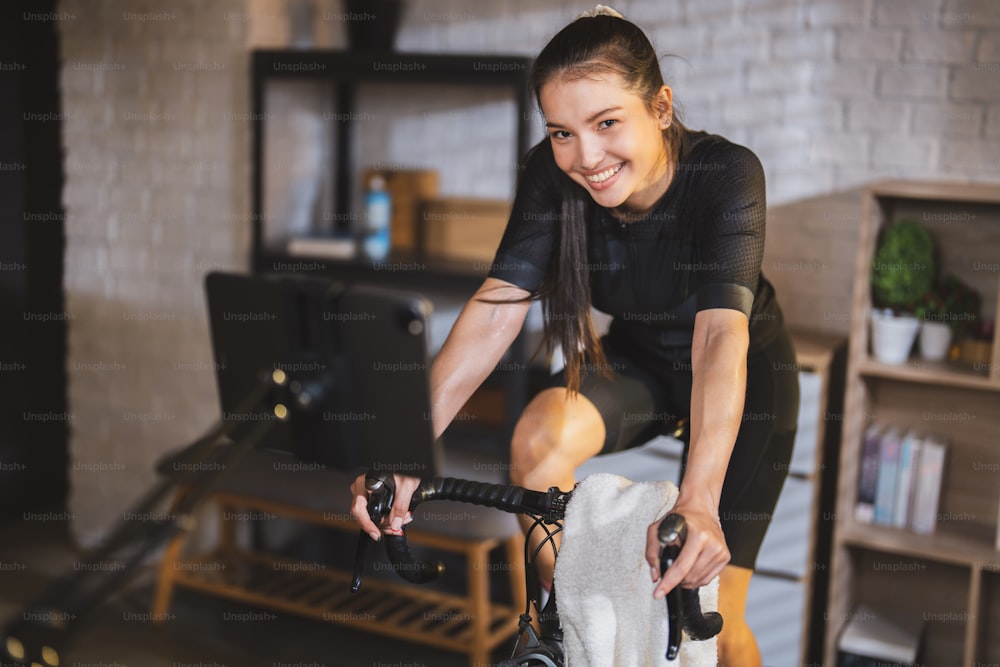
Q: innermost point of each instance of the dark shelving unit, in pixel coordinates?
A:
(345, 72)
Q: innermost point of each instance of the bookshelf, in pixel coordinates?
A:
(951, 578)
(323, 119)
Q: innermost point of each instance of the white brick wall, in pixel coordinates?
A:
(912, 80)
(154, 172)
(907, 14)
(838, 13)
(856, 67)
(993, 122)
(868, 45)
(830, 93)
(989, 47)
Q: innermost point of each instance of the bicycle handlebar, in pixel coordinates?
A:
(550, 506)
(683, 605)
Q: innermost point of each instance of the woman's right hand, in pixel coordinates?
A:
(399, 515)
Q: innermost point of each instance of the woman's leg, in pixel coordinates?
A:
(756, 475)
(555, 434)
(737, 646)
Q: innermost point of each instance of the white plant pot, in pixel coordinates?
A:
(935, 338)
(893, 337)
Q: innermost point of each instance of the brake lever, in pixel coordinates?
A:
(381, 493)
(672, 534)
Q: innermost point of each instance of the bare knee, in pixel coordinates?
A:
(555, 434)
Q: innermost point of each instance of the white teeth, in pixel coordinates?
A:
(606, 174)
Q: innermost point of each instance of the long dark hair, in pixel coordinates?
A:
(588, 45)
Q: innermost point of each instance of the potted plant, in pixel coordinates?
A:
(935, 335)
(949, 311)
(902, 271)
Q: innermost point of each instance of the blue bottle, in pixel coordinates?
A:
(378, 213)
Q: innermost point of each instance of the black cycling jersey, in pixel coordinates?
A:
(699, 247)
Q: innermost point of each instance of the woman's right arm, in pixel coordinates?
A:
(484, 330)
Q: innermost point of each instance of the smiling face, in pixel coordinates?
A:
(608, 139)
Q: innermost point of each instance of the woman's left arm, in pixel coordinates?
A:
(719, 377)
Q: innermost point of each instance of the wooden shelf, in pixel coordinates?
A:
(305, 589)
(936, 191)
(938, 373)
(944, 546)
(956, 402)
(468, 620)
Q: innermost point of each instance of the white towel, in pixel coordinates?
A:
(603, 584)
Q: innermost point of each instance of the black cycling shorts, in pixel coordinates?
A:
(636, 401)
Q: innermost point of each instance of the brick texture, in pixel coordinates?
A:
(978, 156)
(978, 81)
(153, 174)
(868, 115)
(907, 13)
(844, 79)
(832, 148)
(993, 122)
(808, 111)
(798, 44)
(983, 13)
(901, 150)
(947, 119)
(869, 45)
(940, 46)
(920, 80)
(837, 13)
(989, 48)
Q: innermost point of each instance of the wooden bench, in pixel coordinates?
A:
(266, 485)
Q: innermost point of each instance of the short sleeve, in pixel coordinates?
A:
(533, 228)
(730, 233)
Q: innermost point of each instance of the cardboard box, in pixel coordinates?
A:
(462, 228)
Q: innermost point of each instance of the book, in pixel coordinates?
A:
(864, 508)
(333, 247)
(909, 460)
(930, 473)
(888, 476)
(871, 638)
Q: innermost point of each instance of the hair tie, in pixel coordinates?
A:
(600, 10)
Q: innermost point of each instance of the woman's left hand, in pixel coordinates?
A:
(701, 559)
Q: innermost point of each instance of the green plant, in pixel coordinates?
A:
(931, 306)
(953, 302)
(903, 267)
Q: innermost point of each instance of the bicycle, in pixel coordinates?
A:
(547, 509)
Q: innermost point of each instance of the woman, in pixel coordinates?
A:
(624, 209)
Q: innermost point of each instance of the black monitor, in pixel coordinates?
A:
(360, 351)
